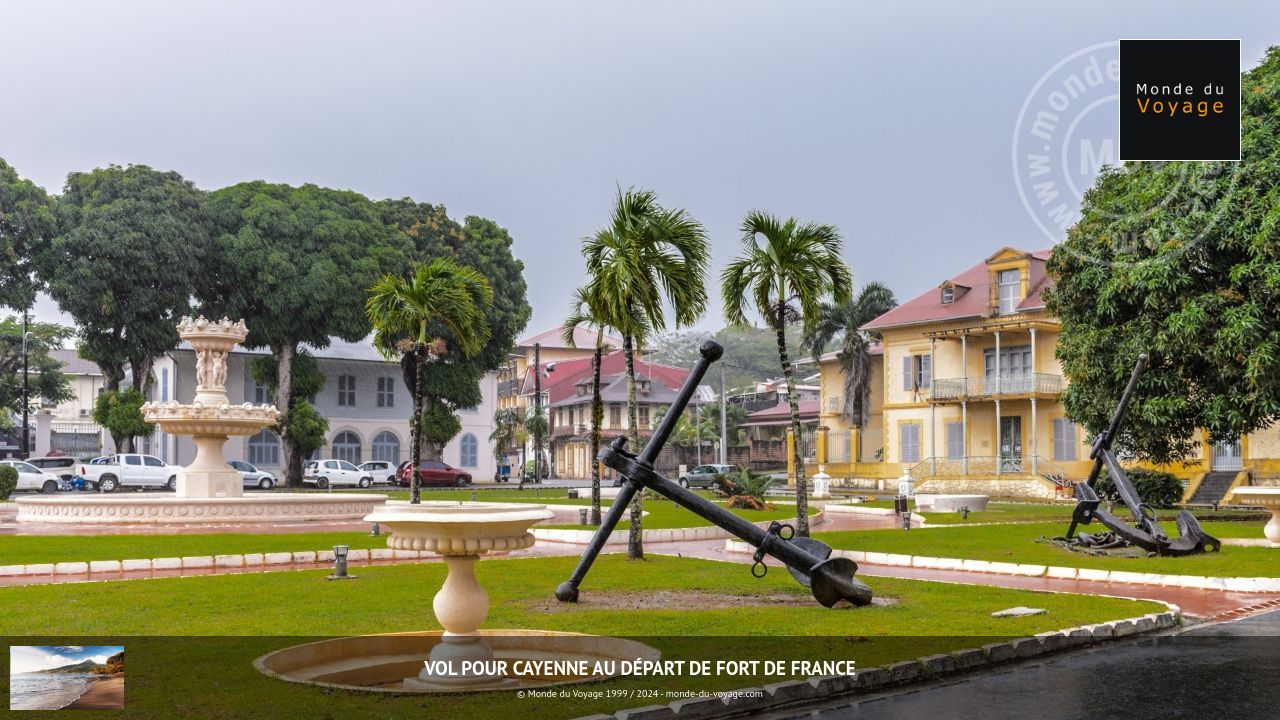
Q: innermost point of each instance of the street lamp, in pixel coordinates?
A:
(340, 563)
(27, 337)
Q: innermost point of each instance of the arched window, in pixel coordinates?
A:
(264, 448)
(386, 446)
(468, 451)
(346, 446)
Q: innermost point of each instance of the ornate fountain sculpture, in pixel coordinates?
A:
(210, 418)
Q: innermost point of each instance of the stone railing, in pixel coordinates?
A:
(978, 387)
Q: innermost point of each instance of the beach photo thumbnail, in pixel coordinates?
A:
(66, 677)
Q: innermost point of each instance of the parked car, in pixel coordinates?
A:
(31, 477)
(703, 476)
(324, 473)
(381, 470)
(435, 472)
(252, 476)
(63, 466)
(131, 470)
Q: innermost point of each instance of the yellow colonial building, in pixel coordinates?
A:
(965, 398)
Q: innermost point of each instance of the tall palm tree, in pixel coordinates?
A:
(786, 269)
(646, 258)
(845, 320)
(586, 311)
(407, 312)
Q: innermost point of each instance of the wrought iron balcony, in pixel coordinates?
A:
(1020, 385)
(986, 466)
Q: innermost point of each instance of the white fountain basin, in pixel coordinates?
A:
(459, 528)
(1267, 497)
(167, 508)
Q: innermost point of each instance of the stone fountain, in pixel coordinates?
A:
(1265, 497)
(464, 657)
(208, 491)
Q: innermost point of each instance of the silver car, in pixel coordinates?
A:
(252, 476)
(704, 475)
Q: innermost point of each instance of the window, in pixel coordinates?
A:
(467, 457)
(386, 392)
(948, 294)
(260, 394)
(344, 465)
(346, 446)
(917, 371)
(1009, 290)
(909, 443)
(615, 416)
(132, 460)
(642, 416)
(264, 448)
(955, 441)
(347, 390)
(1064, 439)
(152, 461)
(386, 446)
(164, 384)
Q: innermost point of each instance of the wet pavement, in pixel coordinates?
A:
(1224, 670)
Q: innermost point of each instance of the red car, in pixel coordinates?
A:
(434, 472)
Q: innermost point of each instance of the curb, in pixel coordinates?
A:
(1232, 584)
(619, 537)
(204, 562)
(756, 700)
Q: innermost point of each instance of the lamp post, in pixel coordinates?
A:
(26, 389)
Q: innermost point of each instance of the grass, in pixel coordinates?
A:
(31, 549)
(1018, 543)
(1011, 512)
(212, 676)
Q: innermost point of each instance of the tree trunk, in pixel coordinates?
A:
(635, 538)
(284, 403)
(797, 432)
(142, 373)
(597, 417)
(415, 427)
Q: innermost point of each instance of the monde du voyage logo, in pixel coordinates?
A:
(1179, 100)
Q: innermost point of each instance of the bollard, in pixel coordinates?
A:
(340, 563)
(583, 515)
(473, 494)
(376, 531)
(964, 512)
(906, 520)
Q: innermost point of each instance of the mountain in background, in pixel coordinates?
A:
(84, 666)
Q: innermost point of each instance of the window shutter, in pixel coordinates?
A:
(906, 372)
(926, 371)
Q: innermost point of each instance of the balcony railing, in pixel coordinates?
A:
(1006, 385)
(986, 466)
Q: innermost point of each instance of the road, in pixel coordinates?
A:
(1210, 672)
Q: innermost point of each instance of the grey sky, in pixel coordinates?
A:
(893, 121)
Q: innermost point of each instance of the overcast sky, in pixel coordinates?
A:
(892, 120)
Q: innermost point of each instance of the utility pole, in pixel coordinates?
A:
(537, 409)
(697, 428)
(26, 390)
(724, 436)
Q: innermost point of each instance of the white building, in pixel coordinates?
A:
(364, 399)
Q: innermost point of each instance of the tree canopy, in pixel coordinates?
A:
(26, 224)
(44, 373)
(1180, 261)
(131, 245)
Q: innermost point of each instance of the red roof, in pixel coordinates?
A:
(972, 297)
(583, 338)
(781, 413)
(559, 383)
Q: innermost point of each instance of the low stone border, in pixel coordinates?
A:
(756, 700)
(1234, 584)
(917, 520)
(619, 537)
(116, 567)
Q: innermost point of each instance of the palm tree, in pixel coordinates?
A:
(407, 313)
(586, 311)
(504, 433)
(844, 320)
(786, 277)
(646, 258)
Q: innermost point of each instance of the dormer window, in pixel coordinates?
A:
(948, 294)
(1009, 289)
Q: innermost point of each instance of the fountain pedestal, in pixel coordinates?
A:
(461, 533)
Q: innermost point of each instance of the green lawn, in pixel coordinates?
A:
(31, 549)
(212, 676)
(1009, 512)
(1018, 543)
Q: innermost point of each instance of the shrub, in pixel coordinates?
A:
(8, 481)
(744, 490)
(1156, 488)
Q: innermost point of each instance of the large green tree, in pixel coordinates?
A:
(26, 224)
(404, 311)
(785, 271)
(843, 321)
(295, 264)
(646, 258)
(131, 245)
(485, 247)
(307, 427)
(45, 378)
(1181, 261)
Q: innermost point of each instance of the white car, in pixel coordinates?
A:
(252, 476)
(31, 477)
(130, 470)
(326, 473)
(381, 470)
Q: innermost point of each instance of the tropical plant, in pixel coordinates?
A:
(844, 321)
(537, 427)
(785, 271)
(8, 481)
(405, 311)
(587, 311)
(120, 412)
(503, 436)
(647, 257)
(746, 489)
